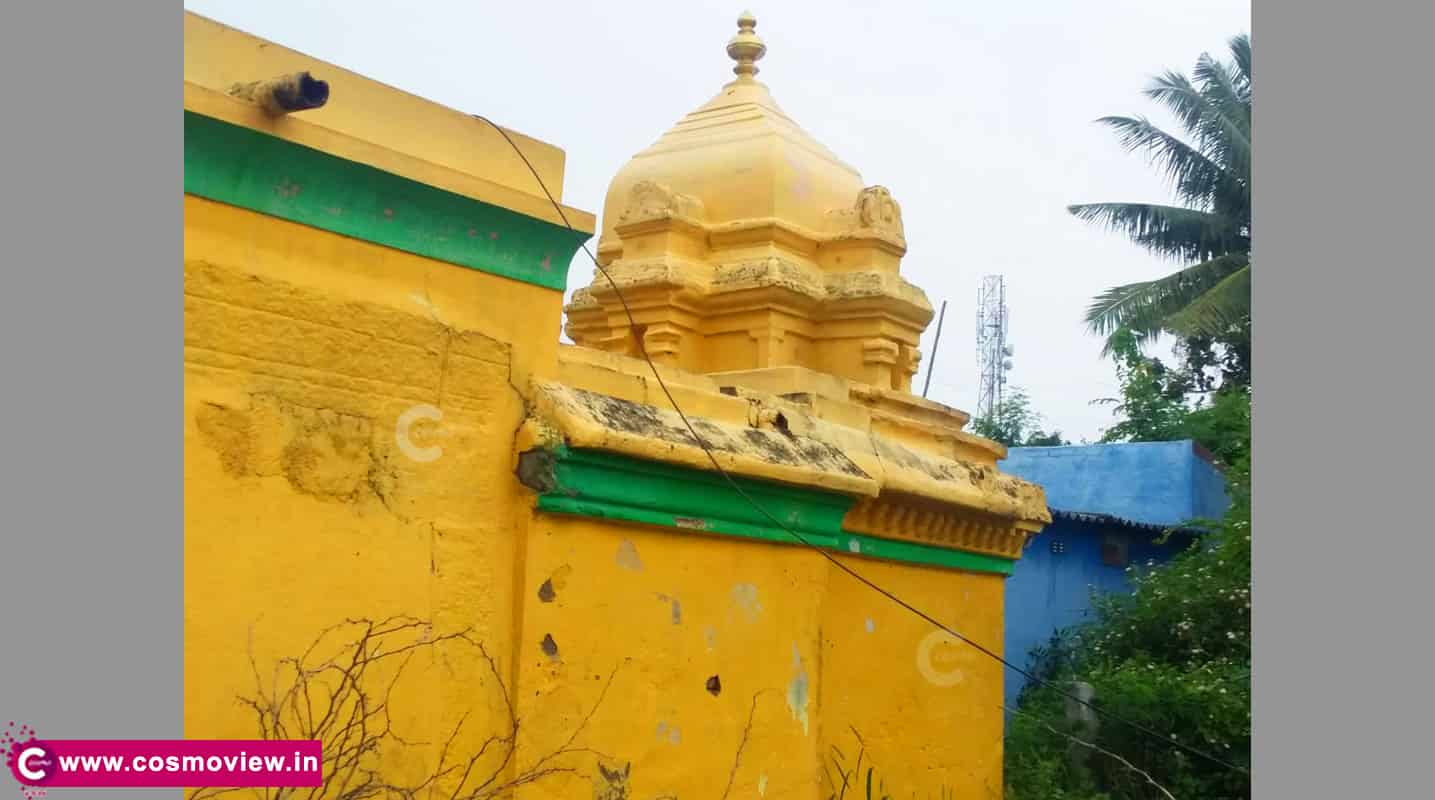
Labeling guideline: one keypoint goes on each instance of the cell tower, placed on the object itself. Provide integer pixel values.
(993, 350)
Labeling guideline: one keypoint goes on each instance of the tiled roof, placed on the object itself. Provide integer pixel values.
(1108, 519)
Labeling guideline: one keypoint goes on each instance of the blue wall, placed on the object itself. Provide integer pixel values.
(1141, 487)
(1158, 483)
(1050, 590)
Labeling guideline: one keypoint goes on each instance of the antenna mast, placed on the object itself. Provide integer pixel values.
(993, 350)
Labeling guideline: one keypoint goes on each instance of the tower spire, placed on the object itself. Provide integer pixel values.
(746, 47)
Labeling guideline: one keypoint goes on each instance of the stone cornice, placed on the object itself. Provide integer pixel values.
(601, 401)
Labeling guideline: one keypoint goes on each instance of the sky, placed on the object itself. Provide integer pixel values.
(977, 116)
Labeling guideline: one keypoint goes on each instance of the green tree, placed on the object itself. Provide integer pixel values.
(1206, 303)
(1015, 424)
(1154, 406)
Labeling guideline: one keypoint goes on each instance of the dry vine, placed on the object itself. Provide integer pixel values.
(343, 701)
(1083, 743)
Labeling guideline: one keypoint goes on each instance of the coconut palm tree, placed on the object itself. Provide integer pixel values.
(1209, 167)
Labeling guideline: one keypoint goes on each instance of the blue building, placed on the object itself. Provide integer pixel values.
(1109, 503)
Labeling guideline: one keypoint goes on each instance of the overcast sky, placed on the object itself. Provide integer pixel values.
(977, 116)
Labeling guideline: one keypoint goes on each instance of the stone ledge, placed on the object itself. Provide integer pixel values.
(769, 437)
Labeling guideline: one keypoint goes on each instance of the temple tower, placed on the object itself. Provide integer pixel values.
(741, 243)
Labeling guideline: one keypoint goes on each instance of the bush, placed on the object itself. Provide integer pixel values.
(1174, 656)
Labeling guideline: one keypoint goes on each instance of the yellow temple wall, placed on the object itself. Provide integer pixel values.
(303, 349)
(803, 653)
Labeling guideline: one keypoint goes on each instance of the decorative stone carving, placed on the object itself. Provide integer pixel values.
(881, 358)
(880, 351)
(908, 362)
(663, 343)
(937, 526)
(875, 210)
(653, 200)
(620, 340)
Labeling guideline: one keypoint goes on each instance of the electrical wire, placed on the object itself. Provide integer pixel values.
(642, 349)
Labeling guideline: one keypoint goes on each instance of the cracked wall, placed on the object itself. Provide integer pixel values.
(303, 350)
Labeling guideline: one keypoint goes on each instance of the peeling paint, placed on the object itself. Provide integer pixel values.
(669, 733)
(548, 592)
(797, 691)
(744, 596)
(424, 302)
(535, 470)
(323, 453)
(627, 556)
(677, 608)
(871, 626)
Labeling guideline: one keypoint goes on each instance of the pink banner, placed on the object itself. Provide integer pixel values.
(159, 764)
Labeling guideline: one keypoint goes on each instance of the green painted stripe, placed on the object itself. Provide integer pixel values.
(686, 521)
(616, 480)
(915, 553)
(252, 170)
(602, 485)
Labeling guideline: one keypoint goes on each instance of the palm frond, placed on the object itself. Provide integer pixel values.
(1219, 309)
(1241, 55)
(1209, 165)
(1226, 128)
(1170, 231)
(1175, 91)
(1217, 127)
(1220, 84)
(1197, 179)
(1146, 307)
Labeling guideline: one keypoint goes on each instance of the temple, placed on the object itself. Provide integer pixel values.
(633, 544)
(743, 244)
